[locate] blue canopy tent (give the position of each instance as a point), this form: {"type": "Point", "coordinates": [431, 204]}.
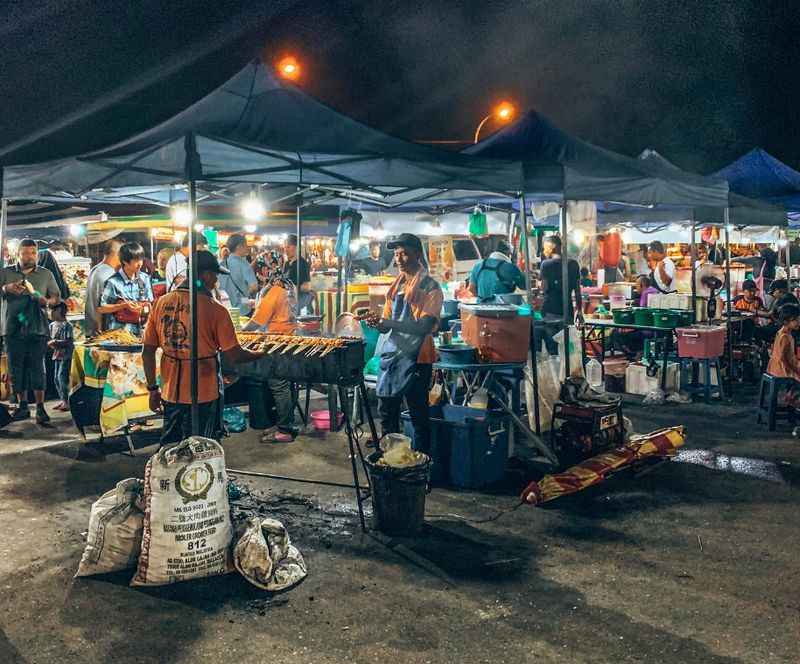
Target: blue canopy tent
{"type": "Point", "coordinates": [759, 175]}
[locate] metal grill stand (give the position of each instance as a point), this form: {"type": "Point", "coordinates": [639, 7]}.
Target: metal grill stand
{"type": "Point", "coordinates": [363, 492]}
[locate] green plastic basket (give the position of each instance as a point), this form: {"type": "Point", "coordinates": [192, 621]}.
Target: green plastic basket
{"type": "Point", "coordinates": [643, 316]}
{"type": "Point", "coordinates": [623, 316]}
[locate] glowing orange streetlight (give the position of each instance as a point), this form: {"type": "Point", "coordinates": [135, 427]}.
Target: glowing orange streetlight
{"type": "Point", "coordinates": [289, 68]}
{"type": "Point", "coordinates": [503, 112]}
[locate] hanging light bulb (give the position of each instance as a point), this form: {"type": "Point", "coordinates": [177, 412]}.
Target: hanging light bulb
{"type": "Point", "coordinates": [379, 232]}
{"type": "Point", "coordinates": [253, 208]}
{"type": "Point", "coordinates": [729, 228]}
{"type": "Point", "coordinates": [181, 215]}
{"type": "Point", "coordinates": [76, 230]}
{"type": "Point", "coordinates": [436, 226]}
{"type": "Point", "coordinates": [578, 236]}
{"type": "Point", "coordinates": [782, 242]}
{"type": "Point", "coordinates": [250, 228]}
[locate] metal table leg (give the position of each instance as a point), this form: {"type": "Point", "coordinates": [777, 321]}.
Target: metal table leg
{"type": "Point", "coordinates": [603, 353]}
{"type": "Point", "coordinates": [667, 349]}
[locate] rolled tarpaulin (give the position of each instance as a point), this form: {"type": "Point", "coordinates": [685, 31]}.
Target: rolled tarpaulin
{"type": "Point", "coordinates": [661, 443]}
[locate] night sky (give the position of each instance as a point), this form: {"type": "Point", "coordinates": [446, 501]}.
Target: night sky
{"type": "Point", "coordinates": [701, 82]}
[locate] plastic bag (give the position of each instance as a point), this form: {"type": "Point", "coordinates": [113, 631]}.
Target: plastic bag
{"type": "Point", "coordinates": [547, 368]}
{"type": "Point", "coordinates": [234, 420]}
{"type": "Point", "coordinates": [115, 530]}
{"type": "Point", "coordinates": [187, 524]}
{"type": "Point", "coordinates": [575, 355]}
{"type": "Point", "coordinates": [657, 396]}
{"type": "Point", "coordinates": [397, 452]}
{"type": "Point", "coordinates": [264, 555]}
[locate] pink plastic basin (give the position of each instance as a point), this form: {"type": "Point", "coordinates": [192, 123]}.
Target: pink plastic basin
{"type": "Point", "coordinates": [321, 420]}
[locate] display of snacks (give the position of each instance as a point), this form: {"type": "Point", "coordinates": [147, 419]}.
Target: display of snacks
{"type": "Point", "coordinates": [75, 270]}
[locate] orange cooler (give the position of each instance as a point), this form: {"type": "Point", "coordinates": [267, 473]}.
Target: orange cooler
{"type": "Point", "coordinates": [497, 339]}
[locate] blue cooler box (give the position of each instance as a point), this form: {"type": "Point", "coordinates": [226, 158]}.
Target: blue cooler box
{"type": "Point", "coordinates": [469, 446]}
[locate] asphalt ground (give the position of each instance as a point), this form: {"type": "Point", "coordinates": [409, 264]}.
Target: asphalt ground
{"type": "Point", "coordinates": [695, 561]}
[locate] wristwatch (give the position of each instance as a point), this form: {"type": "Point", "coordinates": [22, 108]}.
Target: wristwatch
{"type": "Point", "coordinates": [153, 388]}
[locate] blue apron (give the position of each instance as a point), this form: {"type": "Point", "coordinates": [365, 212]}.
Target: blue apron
{"type": "Point", "coordinates": [398, 352]}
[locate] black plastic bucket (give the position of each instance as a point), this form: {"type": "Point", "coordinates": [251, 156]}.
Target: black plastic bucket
{"type": "Point", "coordinates": [398, 496]}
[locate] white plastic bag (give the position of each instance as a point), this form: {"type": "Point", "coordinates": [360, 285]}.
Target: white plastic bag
{"type": "Point", "coordinates": [264, 555]}
{"type": "Point", "coordinates": [575, 355]}
{"type": "Point", "coordinates": [549, 385]}
{"type": "Point", "coordinates": [115, 530]}
{"type": "Point", "coordinates": [187, 524]}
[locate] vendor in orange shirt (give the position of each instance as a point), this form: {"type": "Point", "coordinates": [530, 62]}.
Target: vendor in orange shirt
{"type": "Point", "coordinates": [168, 328]}
{"type": "Point", "coordinates": [275, 314]}
{"type": "Point", "coordinates": [410, 316]}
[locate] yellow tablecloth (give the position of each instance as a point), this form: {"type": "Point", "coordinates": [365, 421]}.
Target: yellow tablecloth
{"type": "Point", "coordinates": [120, 375]}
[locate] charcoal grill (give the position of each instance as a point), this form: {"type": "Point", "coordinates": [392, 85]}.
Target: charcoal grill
{"type": "Point", "coordinates": [342, 366]}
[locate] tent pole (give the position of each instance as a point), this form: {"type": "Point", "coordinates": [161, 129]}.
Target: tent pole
{"type": "Point", "coordinates": [565, 287]}
{"type": "Point", "coordinates": [693, 259]}
{"type": "Point", "coordinates": [299, 254]}
{"type": "Point", "coordinates": [532, 354]}
{"type": "Point", "coordinates": [193, 283]}
{"type": "Point", "coordinates": [728, 303]}
{"type": "Point", "coordinates": [3, 220]}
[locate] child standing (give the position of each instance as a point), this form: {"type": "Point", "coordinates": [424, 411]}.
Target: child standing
{"type": "Point", "coordinates": [61, 343]}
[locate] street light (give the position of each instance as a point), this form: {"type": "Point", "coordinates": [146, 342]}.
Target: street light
{"type": "Point", "coordinates": [289, 68]}
{"type": "Point", "coordinates": [503, 112]}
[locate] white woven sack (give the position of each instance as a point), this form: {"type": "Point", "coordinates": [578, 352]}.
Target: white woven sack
{"type": "Point", "coordinates": [187, 524]}
{"type": "Point", "coordinates": [115, 530]}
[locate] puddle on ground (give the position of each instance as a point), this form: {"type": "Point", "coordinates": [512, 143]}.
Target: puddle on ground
{"type": "Point", "coordinates": [781, 471]}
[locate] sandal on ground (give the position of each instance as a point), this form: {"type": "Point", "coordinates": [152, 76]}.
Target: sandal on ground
{"type": "Point", "coordinates": [278, 437]}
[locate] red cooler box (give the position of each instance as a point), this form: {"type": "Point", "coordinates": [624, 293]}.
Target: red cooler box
{"type": "Point", "coordinates": [701, 341]}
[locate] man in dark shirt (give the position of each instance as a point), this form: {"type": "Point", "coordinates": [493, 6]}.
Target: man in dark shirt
{"type": "Point", "coordinates": [551, 276]}
{"type": "Point", "coordinates": [26, 290]}
{"type": "Point", "coordinates": [293, 258]}
{"type": "Point", "coordinates": [552, 305]}
{"type": "Point", "coordinates": [375, 263]}
{"type": "Point", "coordinates": [305, 297]}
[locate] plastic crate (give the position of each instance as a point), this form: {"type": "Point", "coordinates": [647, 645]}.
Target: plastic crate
{"type": "Point", "coordinates": [469, 446]}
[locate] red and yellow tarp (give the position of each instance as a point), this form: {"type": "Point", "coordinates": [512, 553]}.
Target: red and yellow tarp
{"type": "Point", "coordinates": [662, 443]}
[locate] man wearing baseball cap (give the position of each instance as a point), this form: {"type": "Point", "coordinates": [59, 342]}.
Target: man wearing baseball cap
{"type": "Point", "coordinates": [495, 275]}
{"type": "Point", "coordinates": [410, 316]}
{"type": "Point", "coordinates": [168, 328]}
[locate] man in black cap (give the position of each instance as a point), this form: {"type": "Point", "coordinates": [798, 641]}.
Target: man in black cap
{"type": "Point", "coordinates": [168, 328]}
{"type": "Point", "coordinates": [410, 316]}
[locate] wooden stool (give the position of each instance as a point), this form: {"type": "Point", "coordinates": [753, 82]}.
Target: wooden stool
{"type": "Point", "coordinates": [768, 400]}
{"type": "Point", "coordinates": [705, 388]}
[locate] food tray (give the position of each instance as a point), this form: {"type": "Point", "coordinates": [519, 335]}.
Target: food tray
{"type": "Point", "coordinates": [117, 348]}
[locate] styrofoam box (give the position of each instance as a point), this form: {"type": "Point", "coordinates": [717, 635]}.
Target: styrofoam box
{"type": "Point", "coordinates": [638, 382]}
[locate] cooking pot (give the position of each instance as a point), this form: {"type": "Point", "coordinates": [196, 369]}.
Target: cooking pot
{"type": "Point", "coordinates": [457, 354]}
